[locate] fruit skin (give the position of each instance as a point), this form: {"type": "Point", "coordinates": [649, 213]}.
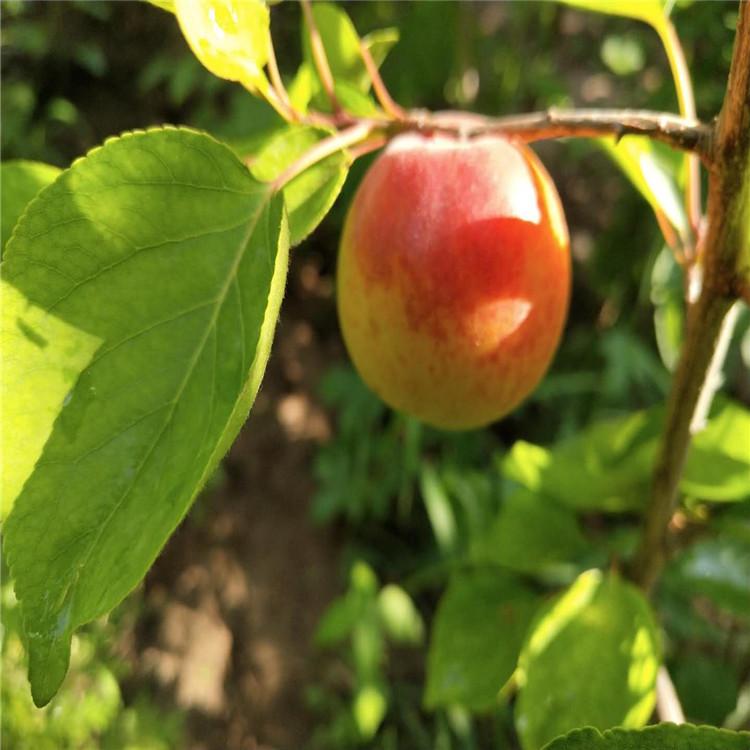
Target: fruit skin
{"type": "Point", "coordinates": [454, 277]}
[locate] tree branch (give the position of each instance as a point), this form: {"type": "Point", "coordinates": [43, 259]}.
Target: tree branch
{"type": "Point", "coordinates": [678, 132]}
{"type": "Point", "coordinates": [727, 242]}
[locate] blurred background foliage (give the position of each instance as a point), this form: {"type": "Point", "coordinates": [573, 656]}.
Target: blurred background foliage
{"type": "Point", "coordinates": [413, 505]}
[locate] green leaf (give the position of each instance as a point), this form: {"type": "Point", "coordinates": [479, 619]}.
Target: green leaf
{"type": "Point", "coordinates": [531, 534]}
{"type": "Point", "coordinates": [352, 99]}
{"type": "Point", "coordinates": [717, 568]}
{"type": "Point", "coordinates": [623, 55]}
{"type": "Point", "coordinates": [660, 737]}
{"type": "Point", "coordinates": [591, 659]}
{"type": "Point", "coordinates": [478, 630]}
{"type": "Point", "coordinates": [668, 298]}
{"type": "Point", "coordinates": [342, 45]}
{"type": "Point", "coordinates": [310, 195]}
{"type": "Point", "coordinates": [232, 39]}
{"type": "Point", "coordinates": [400, 618]}
{"type": "Point", "coordinates": [650, 11]}
{"type": "Point", "coordinates": [369, 709]}
{"type": "Point", "coordinates": [639, 160]}
{"type": "Point", "coordinates": [707, 687]}
{"type": "Point", "coordinates": [43, 356]}
{"type": "Point", "coordinates": [341, 42]}
{"type": "Point", "coordinates": [162, 249]}
{"type": "Point", "coordinates": [718, 464]}
{"type": "Point", "coordinates": [380, 42]}
{"type": "Point", "coordinates": [439, 510]}
{"type": "Point", "coordinates": [339, 620]}
{"type": "Point", "coordinates": [606, 466]}
{"type": "Point", "coordinates": [20, 181]}
{"type": "Point", "coordinates": [168, 5]}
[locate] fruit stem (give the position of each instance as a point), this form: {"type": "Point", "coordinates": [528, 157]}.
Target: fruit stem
{"type": "Point", "coordinates": [389, 105]}
{"type": "Point", "coordinates": [319, 57]}
{"type": "Point", "coordinates": [727, 243]}
{"type": "Point", "coordinates": [322, 149]}
{"type": "Point", "coordinates": [292, 115]}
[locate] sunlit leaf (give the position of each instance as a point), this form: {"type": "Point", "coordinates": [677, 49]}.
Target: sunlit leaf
{"type": "Point", "coordinates": [310, 195]}
{"type": "Point", "coordinates": [660, 737]}
{"type": "Point", "coordinates": [160, 252]}
{"type": "Point", "coordinates": [370, 706]}
{"type": "Point", "coordinates": [605, 466]}
{"type": "Point", "coordinates": [400, 618]}
{"type": "Point", "coordinates": [591, 659]}
{"type": "Point", "coordinates": [168, 5]}
{"type": "Point", "coordinates": [380, 43]}
{"type": "Point", "coordinates": [341, 43]}
{"type": "Point", "coordinates": [637, 157]}
{"type": "Point", "coordinates": [232, 39]}
{"type": "Point", "coordinates": [477, 633]}
{"type": "Point", "coordinates": [20, 181]}
{"type": "Point", "coordinates": [718, 463]}
{"type": "Point", "coordinates": [650, 11]}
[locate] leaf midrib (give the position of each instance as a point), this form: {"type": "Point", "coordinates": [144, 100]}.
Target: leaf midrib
{"type": "Point", "coordinates": [220, 300]}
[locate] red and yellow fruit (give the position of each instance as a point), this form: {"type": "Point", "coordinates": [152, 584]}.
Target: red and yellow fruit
{"type": "Point", "coordinates": [454, 277]}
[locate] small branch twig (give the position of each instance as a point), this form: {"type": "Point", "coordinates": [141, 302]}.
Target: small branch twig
{"type": "Point", "coordinates": [387, 102]}
{"type": "Point", "coordinates": [278, 86]}
{"type": "Point", "coordinates": [319, 56]}
{"type": "Point", "coordinates": [727, 239]}
{"type": "Point", "coordinates": [678, 132]}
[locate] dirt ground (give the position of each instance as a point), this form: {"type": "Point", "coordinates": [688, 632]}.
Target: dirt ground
{"type": "Point", "coordinates": [233, 600]}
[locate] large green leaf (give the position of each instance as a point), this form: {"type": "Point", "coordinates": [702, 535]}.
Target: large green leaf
{"type": "Point", "coordinates": [160, 248]}
{"type": "Point", "coordinates": [20, 181]}
{"type": "Point", "coordinates": [590, 660]}
{"type": "Point", "coordinates": [310, 195]}
{"type": "Point", "coordinates": [531, 534]}
{"type": "Point", "coordinates": [478, 630]}
{"type": "Point", "coordinates": [660, 737]}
